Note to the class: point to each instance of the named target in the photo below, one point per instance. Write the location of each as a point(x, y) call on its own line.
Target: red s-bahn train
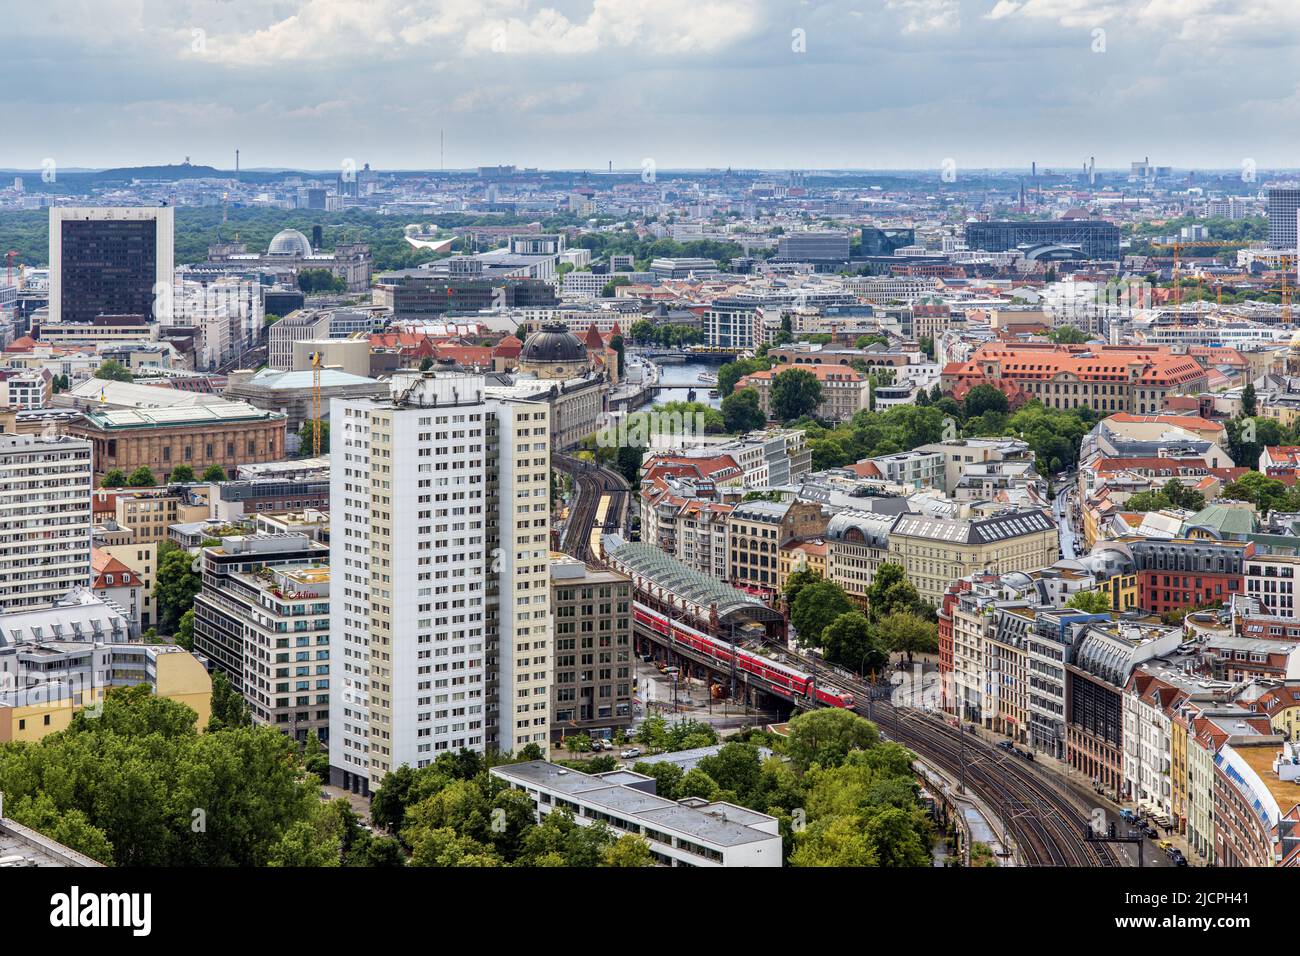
point(789, 679)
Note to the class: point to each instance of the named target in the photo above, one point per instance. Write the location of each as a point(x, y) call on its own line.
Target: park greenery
point(1053, 435)
point(138, 784)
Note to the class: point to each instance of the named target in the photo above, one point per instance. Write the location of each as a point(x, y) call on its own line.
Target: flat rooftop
point(1260, 759)
point(35, 849)
point(710, 822)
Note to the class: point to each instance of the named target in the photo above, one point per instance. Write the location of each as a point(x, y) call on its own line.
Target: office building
point(439, 547)
point(270, 628)
point(733, 324)
point(1283, 208)
point(592, 609)
point(45, 519)
point(1096, 239)
point(814, 247)
point(937, 551)
point(108, 261)
point(1106, 378)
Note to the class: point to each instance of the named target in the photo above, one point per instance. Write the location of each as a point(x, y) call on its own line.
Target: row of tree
point(896, 620)
point(143, 477)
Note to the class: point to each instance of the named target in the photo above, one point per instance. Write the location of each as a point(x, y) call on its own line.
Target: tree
point(142, 477)
point(1093, 602)
point(825, 737)
point(214, 473)
point(893, 836)
point(321, 280)
point(629, 850)
point(736, 768)
point(851, 642)
point(181, 473)
point(185, 630)
point(733, 372)
point(890, 591)
point(985, 398)
point(795, 582)
point(1248, 401)
point(866, 341)
point(616, 343)
point(741, 411)
point(1173, 494)
point(114, 371)
point(229, 709)
point(908, 633)
point(1266, 494)
point(306, 438)
point(668, 777)
point(839, 841)
point(697, 783)
point(175, 587)
point(1068, 335)
point(115, 478)
point(796, 392)
point(817, 605)
point(152, 791)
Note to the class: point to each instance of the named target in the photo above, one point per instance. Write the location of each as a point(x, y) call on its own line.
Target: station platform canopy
point(694, 591)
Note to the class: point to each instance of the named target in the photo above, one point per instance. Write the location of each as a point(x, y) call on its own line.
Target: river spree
point(688, 376)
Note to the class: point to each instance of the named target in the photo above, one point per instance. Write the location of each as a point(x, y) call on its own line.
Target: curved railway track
point(592, 486)
point(1045, 821)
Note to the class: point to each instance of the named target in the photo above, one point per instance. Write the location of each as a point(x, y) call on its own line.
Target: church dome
point(553, 344)
point(289, 242)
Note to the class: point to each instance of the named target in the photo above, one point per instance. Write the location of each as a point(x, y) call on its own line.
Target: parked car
point(1178, 858)
point(630, 753)
point(1127, 814)
point(1006, 745)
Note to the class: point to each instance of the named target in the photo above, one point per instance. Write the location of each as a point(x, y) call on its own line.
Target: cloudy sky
point(687, 83)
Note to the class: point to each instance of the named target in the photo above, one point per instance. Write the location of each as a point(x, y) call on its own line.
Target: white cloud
point(922, 16)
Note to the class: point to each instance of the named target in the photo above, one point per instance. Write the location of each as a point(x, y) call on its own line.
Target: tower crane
point(1178, 245)
point(315, 404)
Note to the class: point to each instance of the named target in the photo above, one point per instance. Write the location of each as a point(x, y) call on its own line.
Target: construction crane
point(315, 404)
point(1286, 289)
point(1178, 245)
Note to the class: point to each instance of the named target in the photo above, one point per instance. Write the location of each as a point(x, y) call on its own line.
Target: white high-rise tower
point(440, 634)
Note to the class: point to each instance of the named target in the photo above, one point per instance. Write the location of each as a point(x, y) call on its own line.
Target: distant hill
point(166, 173)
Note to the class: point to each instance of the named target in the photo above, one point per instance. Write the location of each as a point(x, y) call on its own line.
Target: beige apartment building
point(845, 391)
point(857, 544)
point(937, 551)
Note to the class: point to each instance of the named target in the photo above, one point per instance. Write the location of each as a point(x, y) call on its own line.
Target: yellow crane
point(315, 404)
point(1178, 245)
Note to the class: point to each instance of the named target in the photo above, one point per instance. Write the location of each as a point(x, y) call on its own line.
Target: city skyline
point(899, 84)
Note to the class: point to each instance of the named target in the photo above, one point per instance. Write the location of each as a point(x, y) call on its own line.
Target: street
point(1064, 521)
